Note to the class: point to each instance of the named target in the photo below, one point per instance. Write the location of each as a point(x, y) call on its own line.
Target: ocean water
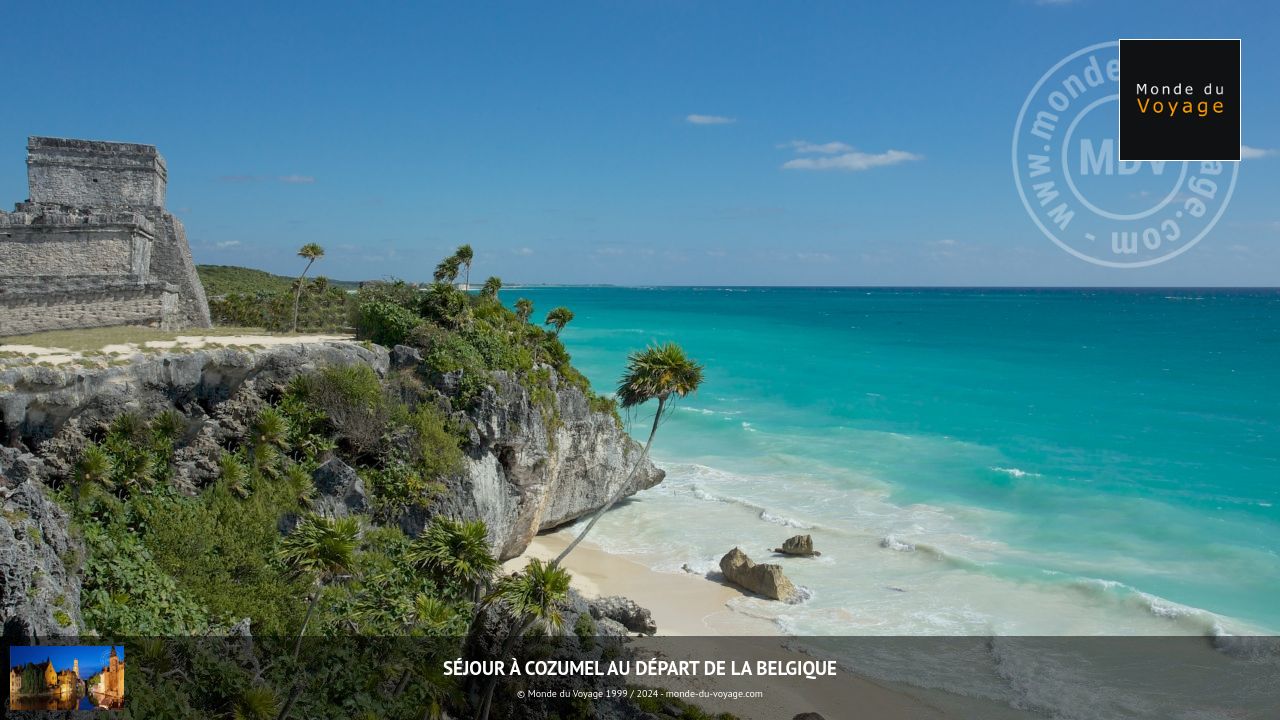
point(1017, 462)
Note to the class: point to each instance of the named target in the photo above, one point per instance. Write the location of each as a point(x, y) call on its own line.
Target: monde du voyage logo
point(1128, 164)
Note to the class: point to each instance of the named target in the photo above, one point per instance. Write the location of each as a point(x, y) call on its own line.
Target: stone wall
point(39, 245)
point(94, 244)
point(151, 305)
point(88, 173)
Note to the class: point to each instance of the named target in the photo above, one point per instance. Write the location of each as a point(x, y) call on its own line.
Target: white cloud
point(853, 161)
point(1253, 153)
point(297, 179)
point(227, 244)
point(709, 119)
point(806, 147)
point(524, 251)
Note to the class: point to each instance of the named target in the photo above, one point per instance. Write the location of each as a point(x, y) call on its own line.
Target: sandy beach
point(693, 609)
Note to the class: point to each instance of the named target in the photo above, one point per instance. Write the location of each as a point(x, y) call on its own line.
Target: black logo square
point(1179, 100)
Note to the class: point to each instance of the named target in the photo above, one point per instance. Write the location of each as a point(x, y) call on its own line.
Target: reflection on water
point(93, 701)
point(50, 702)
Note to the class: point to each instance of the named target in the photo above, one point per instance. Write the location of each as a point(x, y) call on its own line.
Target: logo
point(1107, 211)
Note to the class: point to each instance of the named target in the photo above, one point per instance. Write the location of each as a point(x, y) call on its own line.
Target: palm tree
point(464, 256)
point(322, 548)
point(456, 551)
point(311, 252)
point(558, 318)
point(448, 269)
point(524, 308)
point(257, 702)
point(532, 595)
point(659, 372)
point(491, 288)
point(325, 549)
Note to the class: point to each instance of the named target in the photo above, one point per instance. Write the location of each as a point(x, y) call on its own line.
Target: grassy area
point(89, 339)
point(222, 280)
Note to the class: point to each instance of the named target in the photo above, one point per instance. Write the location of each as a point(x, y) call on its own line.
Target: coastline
point(682, 604)
point(693, 608)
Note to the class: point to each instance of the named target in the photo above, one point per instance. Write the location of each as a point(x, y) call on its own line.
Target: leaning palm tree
point(524, 308)
point(457, 552)
point(558, 318)
point(311, 252)
point(448, 269)
point(491, 288)
point(465, 256)
point(659, 372)
point(531, 596)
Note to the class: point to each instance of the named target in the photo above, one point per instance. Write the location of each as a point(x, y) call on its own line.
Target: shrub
point(435, 446)
point(219, 548)
point(398, 487)
point(126, 593)
point(385, 323)
point(446, 305)
point(352, 401)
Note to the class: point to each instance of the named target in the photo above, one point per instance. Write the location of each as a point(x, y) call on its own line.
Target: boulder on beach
point(808, 716)
point(624, 611)
point(760, 578)
point(801, 545)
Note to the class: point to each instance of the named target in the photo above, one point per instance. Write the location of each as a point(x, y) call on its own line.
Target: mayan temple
point(93, 245)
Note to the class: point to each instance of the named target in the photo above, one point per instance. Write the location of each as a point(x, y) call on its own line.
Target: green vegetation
point(246, 541)
point(312, 252)
point(220, 280)
point(318, 305)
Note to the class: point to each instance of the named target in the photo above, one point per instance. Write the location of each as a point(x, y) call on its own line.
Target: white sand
point(63, 356)
point(684, 604)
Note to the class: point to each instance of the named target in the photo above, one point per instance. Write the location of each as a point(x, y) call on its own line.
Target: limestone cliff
point(534, 460)
point(537, 465)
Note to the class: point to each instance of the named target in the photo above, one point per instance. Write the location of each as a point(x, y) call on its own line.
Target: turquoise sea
point(1019, 462)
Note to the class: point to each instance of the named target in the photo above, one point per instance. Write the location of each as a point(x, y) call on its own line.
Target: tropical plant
point(491, 288)
point(659, 372)
point(92, 473)
point(448, 269)
point(531, 596)
point(312, 252)
point(524, 309)
point(321, 548)
point(255, 703)
point(457, 552)
point(385, 323)
point(558, 318)
point(464, 255)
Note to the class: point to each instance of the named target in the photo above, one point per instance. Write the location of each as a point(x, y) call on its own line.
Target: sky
point(634, 143)
point(93, 658)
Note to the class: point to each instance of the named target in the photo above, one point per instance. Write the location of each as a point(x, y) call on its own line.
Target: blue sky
point(92, 657)
point(556, 137)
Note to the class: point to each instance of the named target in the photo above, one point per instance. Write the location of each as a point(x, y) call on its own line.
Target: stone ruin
point(93, 246)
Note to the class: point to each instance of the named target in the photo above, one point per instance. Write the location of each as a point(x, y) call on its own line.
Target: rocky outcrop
point(532, 463)
point(36, 402)
point(39, 559)
point(760, 578)
point(535, 464)
point(798, 545)
point(339, 490)
point(624, 611)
